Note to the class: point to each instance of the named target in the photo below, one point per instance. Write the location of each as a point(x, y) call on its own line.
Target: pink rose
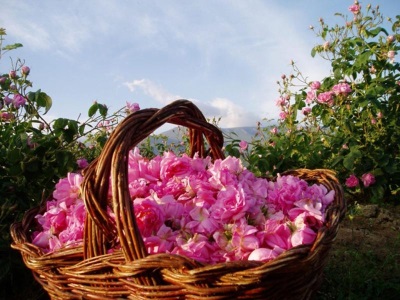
point(368, 179)
point(132, 107)
point(352, 181)
point(341, 89)
point(326, 98)
point(25, 70)
point(390, 39)
point(149, 216)
point(355, 8)
point(231, 204)
point(281, 101)
point(18, 101)
point(315, 85)
point(12, 74)
point(274, 130)
point(243, 145)
point(82, 163)
point(283, 115)
point(311, 96)
point(265, 254)
point(306, 110)
point(68, 189)
point(173, 166)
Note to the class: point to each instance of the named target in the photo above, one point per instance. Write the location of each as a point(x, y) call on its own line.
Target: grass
point(356, 273)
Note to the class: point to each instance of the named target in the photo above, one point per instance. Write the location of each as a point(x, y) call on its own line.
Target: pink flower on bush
point(342, 88)
point(283, 115)
point(132, 107)
point(391, 54)
point(326, 98)
point(6, 116)
point(243, 145)
point(315, 85)
point(281, 101)
point(25, 70)
point(352, 181)
point(82, 163)
point(306, 110)
point(274, 130)
point(355, 9)
point(368, 179)
point(12, 74)
point(311, 96)
point(7, 100)
point(390, 39)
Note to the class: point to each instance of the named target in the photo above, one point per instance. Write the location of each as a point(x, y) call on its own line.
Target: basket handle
point(100, 231)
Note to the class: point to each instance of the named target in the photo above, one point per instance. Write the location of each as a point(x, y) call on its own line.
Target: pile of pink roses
point(211, 212)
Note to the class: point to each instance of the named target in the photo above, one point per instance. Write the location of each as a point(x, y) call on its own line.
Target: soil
point(370, 228)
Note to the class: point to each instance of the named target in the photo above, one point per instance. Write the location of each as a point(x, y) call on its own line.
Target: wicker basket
point(88, 272)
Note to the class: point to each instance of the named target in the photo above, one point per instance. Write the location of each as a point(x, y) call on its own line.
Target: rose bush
point(35, 152)
point(347, 121)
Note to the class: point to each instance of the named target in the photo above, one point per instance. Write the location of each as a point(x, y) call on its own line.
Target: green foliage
point(36, 153)
point(355, 129)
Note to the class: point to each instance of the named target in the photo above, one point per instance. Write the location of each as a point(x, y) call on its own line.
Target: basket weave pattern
point(88, 272)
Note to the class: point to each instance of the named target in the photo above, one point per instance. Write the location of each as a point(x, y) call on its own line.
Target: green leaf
point(12, 47)
point(363, 59)
point(103, 110)
point(43, 100)
point(314, 51)
point(60, 123)
point(73, 126)
point(14, 156)
point(93, 109)
point(376, 31)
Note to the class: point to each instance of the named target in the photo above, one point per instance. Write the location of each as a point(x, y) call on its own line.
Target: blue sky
point(226, 56)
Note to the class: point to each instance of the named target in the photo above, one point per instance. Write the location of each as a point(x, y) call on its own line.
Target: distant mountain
point(247, 134)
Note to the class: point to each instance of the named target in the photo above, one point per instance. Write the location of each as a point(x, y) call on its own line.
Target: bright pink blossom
point(18, 101)
point(326, 98)
point(82, 163)
point(311, 96)
point(132, 107)
point(243, 145)
point(283, 115)
point(355, 8)
point(149, 216)
point(306, 110)
point(315, 85)
point(25, 70)
point(274, 130)
point(209, 211)
point(368, 179)
point(352, 181)
point(342, 88)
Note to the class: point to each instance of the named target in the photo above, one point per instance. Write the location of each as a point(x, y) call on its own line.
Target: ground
point(370, 228)
point(364, 262)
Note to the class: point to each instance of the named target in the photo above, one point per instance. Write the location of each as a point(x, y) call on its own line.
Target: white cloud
point(229, 113)
point(151, 89)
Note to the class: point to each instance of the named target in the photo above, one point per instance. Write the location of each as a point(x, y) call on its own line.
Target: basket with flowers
point(180, 227)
